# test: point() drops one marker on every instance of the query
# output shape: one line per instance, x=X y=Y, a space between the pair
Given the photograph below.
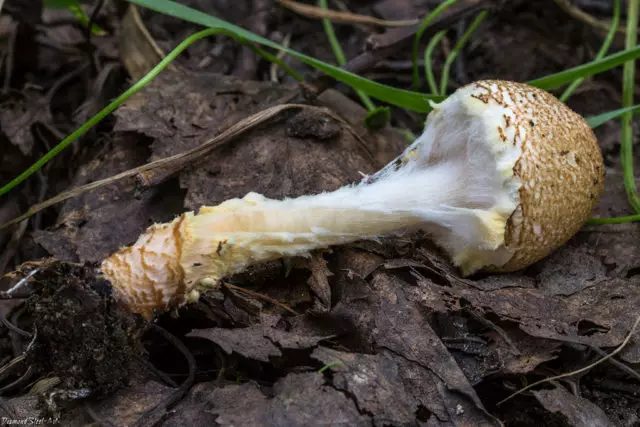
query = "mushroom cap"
x=548 y=162
x=560 y=168
x=525 y=174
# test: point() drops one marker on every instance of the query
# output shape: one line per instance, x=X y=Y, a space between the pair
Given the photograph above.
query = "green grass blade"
x=615 y=22
x=444 y=80
x=377 y=117
x=557 y=80
x=108 y=109
x=330 y=365
x=617 y=220
x=416 y=41
x=269 y=57
x=73 y=6
x=428 y=67
x=628 y=86
x=331 y=35
x=595 y=121
x=402 y=98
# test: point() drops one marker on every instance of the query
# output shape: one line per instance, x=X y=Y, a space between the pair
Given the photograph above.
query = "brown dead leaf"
x=615 y=245
x=618 y=248
x=479 y=346
x=403 y=328
x=631 y=353
x=352 y=267
x=613 y=201
x=127 y=406
x=571 y=269
x=319 y=281
x=180 y=110
x=521 y=354
x=257 y=342
x=231 y=405
x=19 y=112
x=383 y=317
x=393 y=389
x=580 y=412
x=358 y=263
x=138 y=50
x=305 y=399
x=295 y=400
x=86 y=227
x=600 y=316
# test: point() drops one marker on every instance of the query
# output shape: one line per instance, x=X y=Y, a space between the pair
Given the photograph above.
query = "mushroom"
x=503 y=174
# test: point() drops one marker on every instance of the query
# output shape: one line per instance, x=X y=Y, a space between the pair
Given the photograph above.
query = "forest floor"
x=384 y=333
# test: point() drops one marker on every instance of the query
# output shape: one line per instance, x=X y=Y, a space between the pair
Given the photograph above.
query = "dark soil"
x=90 y=342
x=386 y=333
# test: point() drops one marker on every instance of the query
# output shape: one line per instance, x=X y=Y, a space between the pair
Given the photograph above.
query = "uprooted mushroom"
x=502 y=175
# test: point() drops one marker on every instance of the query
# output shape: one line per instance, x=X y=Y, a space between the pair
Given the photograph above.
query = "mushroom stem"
x=274 y=228
x=225 y=239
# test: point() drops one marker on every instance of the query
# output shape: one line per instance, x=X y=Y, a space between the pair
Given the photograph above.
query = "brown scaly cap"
x=561 y=169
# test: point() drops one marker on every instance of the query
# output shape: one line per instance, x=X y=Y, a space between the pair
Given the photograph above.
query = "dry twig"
x=342 y=17
x=577 y=13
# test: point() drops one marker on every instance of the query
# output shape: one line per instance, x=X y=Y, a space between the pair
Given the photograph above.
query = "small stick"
x=261 y=296
x=576 y=13
x=343 y=17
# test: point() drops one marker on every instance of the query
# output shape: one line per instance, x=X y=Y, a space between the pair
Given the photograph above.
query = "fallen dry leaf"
x=394 y=389
x=181 y=110
x=319 y=281
x=600 y=316
x=257 y=342
x=86 y=228
x=19 y=112
x=295 y=400
x=579 y=411
x=128 y=406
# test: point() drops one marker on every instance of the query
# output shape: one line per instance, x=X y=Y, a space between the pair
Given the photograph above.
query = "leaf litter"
x=388 y=333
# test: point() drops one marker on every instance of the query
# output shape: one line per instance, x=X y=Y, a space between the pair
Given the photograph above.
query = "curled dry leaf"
x=319 y=281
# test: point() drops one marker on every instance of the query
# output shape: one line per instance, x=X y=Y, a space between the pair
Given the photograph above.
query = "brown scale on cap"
x=561 y=169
